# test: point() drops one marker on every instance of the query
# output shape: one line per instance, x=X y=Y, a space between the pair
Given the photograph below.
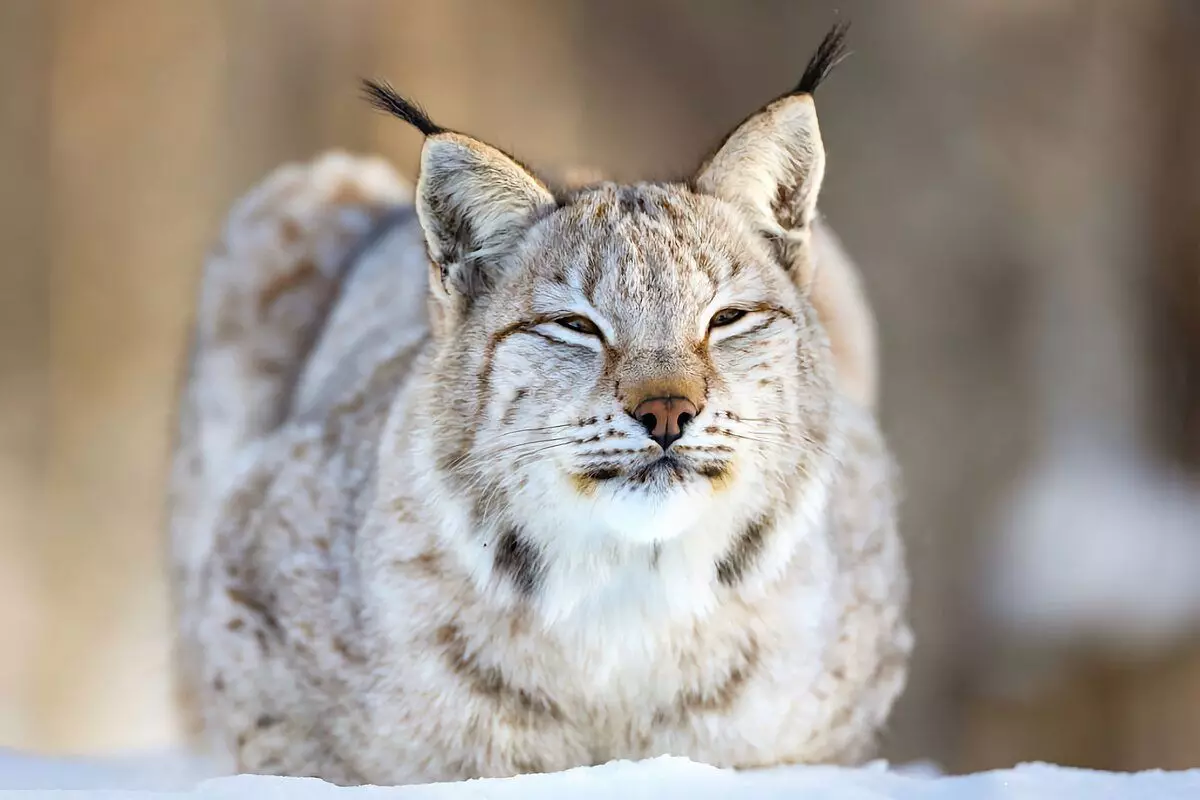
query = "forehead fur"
x=649 y=234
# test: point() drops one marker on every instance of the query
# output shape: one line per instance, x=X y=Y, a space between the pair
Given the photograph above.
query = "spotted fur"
x=417 y=534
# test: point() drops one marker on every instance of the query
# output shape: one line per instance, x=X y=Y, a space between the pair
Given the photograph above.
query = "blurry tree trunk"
x=1115 y=350
x=1097 y=714
x=133 y=144
x=24 y=54
x=1174 y=254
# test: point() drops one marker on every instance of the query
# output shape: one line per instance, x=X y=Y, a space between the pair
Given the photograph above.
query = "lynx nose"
x=664 y=418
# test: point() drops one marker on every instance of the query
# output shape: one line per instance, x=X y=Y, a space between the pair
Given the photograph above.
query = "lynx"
x=497 y=476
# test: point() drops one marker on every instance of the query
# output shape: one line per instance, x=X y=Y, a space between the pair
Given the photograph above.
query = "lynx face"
x=621 y=366
x=645 y=363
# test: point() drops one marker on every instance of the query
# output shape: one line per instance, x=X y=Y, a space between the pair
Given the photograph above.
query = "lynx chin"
x=499 y=475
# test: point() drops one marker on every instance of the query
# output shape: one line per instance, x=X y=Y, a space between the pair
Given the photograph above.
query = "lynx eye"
x=727 y=316
x=579 y=325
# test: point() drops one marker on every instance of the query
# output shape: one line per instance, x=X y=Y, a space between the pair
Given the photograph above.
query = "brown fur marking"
x=520 y=705
x=733 y=566
x=719 y=699
x=302 y=274
x=519 y=560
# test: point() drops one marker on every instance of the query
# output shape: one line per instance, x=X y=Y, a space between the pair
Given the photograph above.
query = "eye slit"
x=727 y=316
x=579 y=325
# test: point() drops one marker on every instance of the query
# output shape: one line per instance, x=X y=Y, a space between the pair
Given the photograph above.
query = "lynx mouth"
x=666 y=469
x=664 y=472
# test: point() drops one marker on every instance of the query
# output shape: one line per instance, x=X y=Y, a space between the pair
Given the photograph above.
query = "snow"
x=159 y=772
x=168 y=776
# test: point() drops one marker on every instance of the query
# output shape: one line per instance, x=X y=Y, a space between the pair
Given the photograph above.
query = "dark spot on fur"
x=270 y=367
x=266 y=721
x=450 y=460
x=349 y=193
x=732 y=567
x=517 y=558
x=705 y=448
x=667 y=467
x=218 y=684
x=522 y=706
x=255 y=605
x=428 y=562
x=714 y=470
x=351 y=405
x=289 y=231
x=602 y=473
x=761 y=326
x=718 y=699
x=304 y=273
x=705 y=264
x=785 y=208
x=347 y=651
x=673 y=214
x=235 y=624
x=529 y=766
x=510 y=413
x=228 y=327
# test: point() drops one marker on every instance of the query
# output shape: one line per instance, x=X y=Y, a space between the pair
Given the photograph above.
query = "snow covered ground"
x=173 y=777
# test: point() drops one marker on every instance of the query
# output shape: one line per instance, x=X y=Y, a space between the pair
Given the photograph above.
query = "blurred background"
x=1019 y=180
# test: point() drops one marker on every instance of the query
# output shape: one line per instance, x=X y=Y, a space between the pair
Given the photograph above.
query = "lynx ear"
x=474 y=202
x=772 y=165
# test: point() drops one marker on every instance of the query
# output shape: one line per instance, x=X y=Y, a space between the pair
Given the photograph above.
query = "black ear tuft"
x=829 y=54
x=383 y=97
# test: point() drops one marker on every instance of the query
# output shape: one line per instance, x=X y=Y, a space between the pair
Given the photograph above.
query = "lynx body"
x=492 y=478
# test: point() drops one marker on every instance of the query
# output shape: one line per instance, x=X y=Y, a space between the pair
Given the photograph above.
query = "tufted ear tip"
x=383 y=97
x=772 y=166
x=473 y=200
x=831 y=52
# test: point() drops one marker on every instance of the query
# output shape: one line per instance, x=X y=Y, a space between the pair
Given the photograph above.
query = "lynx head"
x=627 y=363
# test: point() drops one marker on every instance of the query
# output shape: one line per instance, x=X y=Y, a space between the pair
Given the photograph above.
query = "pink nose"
x=664 y=418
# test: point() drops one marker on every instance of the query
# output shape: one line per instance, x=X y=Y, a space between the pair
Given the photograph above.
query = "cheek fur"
x=759 y=368
x=544 y=375
x=539 y=394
